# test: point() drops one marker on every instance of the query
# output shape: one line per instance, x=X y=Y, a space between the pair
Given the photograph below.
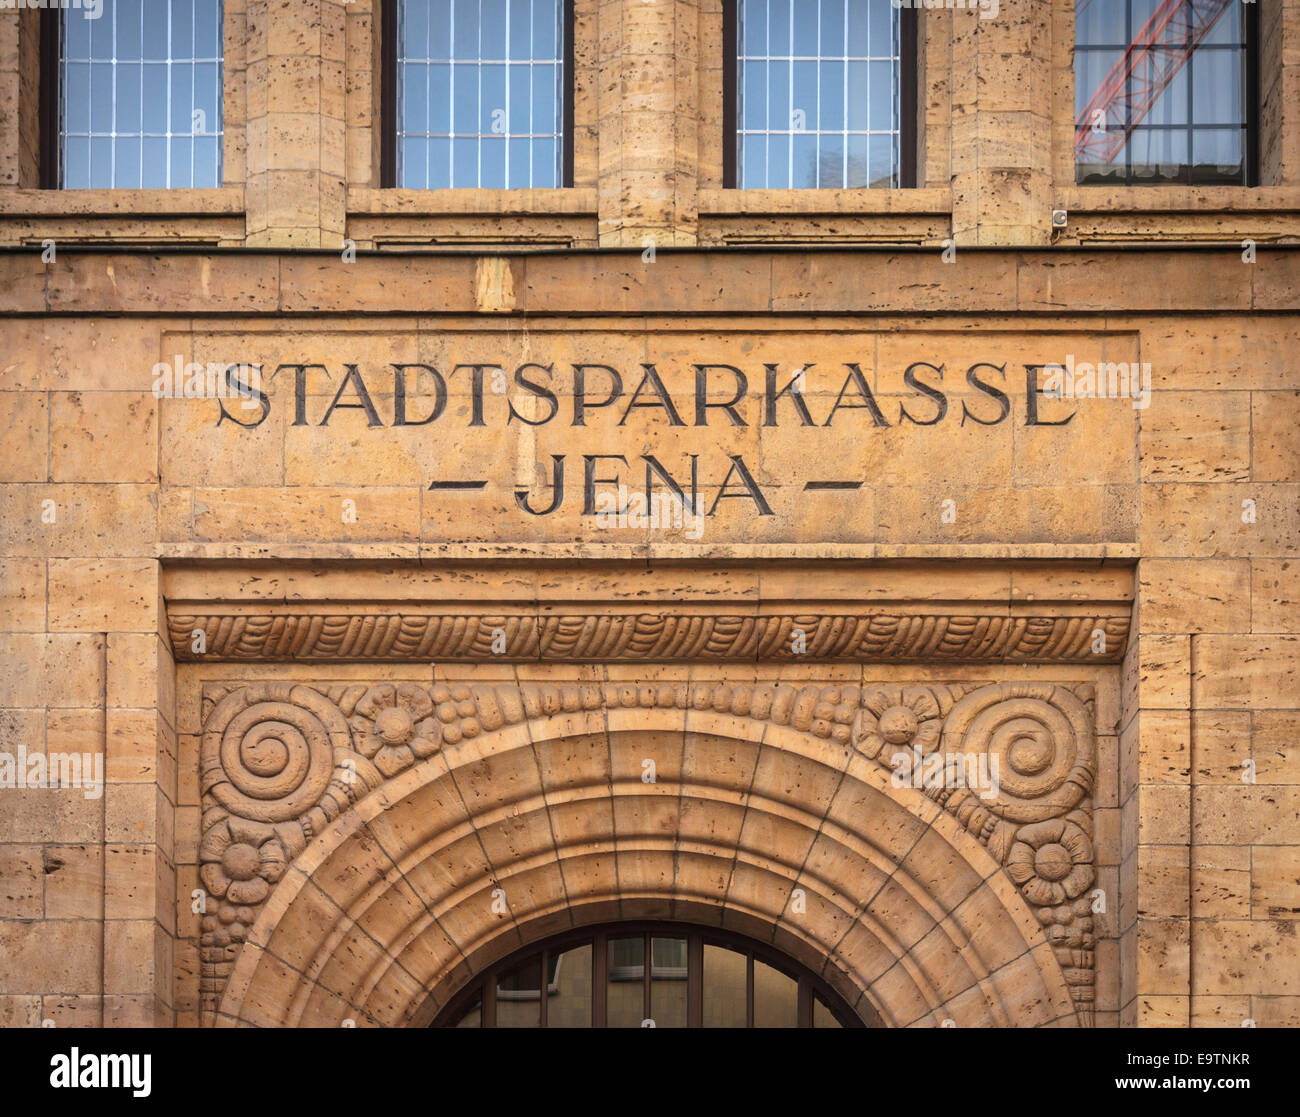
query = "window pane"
x=520 y=28
x=126 y=171
x=464 y=162
x=438 y=85
x=858 y=171
x=155 y=35
x=881 y=97
x=464 y=28
x=1216 y=87
x=76 y=159
x=804 y=156
x=884 y=29
x=1216 y=155
x=153 y=171
x=546 y=166
x=778 y=27
x=830 y=96
x=625 y=983
x=182 y=171
x=778 y=161
x=155 y=99
x=803 y=109
x=492 y=159
x=805 y=29
x=493 y=119
x=830 y=163
x=76 y=98
x=464 y=96
x=725 y=992
x=76 y=39
x=492 y=30
x=778 y=97
x=753 y=101
x=568 y=994
x=831 y=16
x=883 y=167
x=182 y=99
x=472 y=1017
x=438 y=154
x=101 y=162
x=822 y=1016
x=1171 y=106
x=753 y=29
x=776 y=998
x=519 y=998
x=859 y=40
x=128 y=14
x=668 y=982
x=1158 y=155
x=101 y=97
x=124 y=104
x=825 y=72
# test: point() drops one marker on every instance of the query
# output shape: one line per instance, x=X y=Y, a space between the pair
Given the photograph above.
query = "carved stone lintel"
x=280 y=761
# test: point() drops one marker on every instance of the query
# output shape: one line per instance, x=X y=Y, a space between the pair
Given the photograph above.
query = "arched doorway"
x=698 y=977
x=769 y=814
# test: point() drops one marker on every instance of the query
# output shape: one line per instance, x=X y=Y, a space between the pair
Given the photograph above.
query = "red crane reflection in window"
x=1149 y=63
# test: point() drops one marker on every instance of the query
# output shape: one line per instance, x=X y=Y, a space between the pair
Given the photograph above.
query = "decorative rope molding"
x=280 y=761
x=386 y=635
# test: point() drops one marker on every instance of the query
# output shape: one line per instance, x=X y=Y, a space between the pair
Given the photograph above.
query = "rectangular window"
x=138 y=95
x=820 y=94
x=1164 y=92
x=479 y=93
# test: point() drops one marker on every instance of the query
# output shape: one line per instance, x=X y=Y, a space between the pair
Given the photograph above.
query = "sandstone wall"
x=106 y=491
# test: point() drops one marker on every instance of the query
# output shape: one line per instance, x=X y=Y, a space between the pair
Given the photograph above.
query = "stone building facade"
x=414 y=656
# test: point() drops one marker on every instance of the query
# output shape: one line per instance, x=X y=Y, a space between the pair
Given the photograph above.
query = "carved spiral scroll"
x=1038 y=735
x=268 y=750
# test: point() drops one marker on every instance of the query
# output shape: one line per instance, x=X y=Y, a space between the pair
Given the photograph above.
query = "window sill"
x=471 y=217
x=912 y=216
x=209 y=216
x=1208 y=213
x=1176 y=199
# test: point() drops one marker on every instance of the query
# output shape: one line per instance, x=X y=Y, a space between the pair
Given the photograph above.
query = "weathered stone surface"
x=286 y=636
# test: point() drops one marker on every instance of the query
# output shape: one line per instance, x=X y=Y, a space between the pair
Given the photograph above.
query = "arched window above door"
x=695 y=977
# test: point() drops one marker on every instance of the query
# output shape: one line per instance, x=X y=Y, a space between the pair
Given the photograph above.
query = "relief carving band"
x=388 y=634
x=1006 y=768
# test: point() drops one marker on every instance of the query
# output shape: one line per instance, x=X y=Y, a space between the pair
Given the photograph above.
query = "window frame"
x=388 y=76
x=1251 y=110
x=481 y=989
x=908 y=125
x=51 y=109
